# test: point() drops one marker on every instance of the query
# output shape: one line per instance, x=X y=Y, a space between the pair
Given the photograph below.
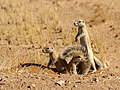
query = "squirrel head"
x=79 y=23
x=48 y=49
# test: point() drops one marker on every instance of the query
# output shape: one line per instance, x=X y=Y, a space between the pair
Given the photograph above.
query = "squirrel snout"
x=74 y=24
x=43 y=50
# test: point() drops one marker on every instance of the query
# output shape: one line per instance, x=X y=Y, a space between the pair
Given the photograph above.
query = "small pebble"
x=60 y=82
x=94 y=80
x=103 y=21
x=28 y=87
x=67 y=83
x=33 y=85
x=110 y=26
x=116 y=36
x=90 y=25
x=118 y=78
x=0 y=79
x=103 y=76
x=78 y=82
x=111 y=74
x=116 y=67
x=75 y=86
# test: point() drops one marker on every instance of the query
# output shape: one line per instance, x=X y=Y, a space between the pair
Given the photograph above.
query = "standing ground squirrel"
x=82 y=54
x=85 y=43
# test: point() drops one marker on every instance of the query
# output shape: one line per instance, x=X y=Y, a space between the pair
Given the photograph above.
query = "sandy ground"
x=26 y=26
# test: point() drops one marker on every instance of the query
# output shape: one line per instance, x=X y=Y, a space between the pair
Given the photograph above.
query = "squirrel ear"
x=52 y=48
x=83 y=21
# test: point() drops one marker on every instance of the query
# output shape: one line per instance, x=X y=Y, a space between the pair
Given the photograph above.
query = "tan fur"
x=60 y=60
x=85 y=43
x=77 y=56
x=73 y=67
x=76 y=65
x=79 y=63
x=83 y=67
x=54 y=59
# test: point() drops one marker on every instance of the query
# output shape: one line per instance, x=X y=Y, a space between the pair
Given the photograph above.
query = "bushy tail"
x=71 y=51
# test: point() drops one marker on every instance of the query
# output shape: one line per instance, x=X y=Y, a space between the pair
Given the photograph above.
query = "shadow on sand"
x=38 y=65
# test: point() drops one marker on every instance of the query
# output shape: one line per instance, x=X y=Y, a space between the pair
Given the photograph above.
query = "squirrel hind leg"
x=84 y=67
x=73 y=69
x=99 y=64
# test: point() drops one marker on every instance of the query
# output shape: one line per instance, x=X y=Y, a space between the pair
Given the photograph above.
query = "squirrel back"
x=72 y=51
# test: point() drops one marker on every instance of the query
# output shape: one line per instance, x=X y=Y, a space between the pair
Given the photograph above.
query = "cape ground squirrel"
x=78 y=59
x=78 y=65
x=85 y=43
x=60 y=60
x=54 y=59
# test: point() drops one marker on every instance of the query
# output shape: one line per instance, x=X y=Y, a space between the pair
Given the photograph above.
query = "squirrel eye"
x=47 y=48
x=79 y=21
x=78 y=57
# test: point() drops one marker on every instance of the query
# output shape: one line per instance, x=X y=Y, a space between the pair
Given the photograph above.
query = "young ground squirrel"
x=78 y=59
x=85 y=43
x=79 y=65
